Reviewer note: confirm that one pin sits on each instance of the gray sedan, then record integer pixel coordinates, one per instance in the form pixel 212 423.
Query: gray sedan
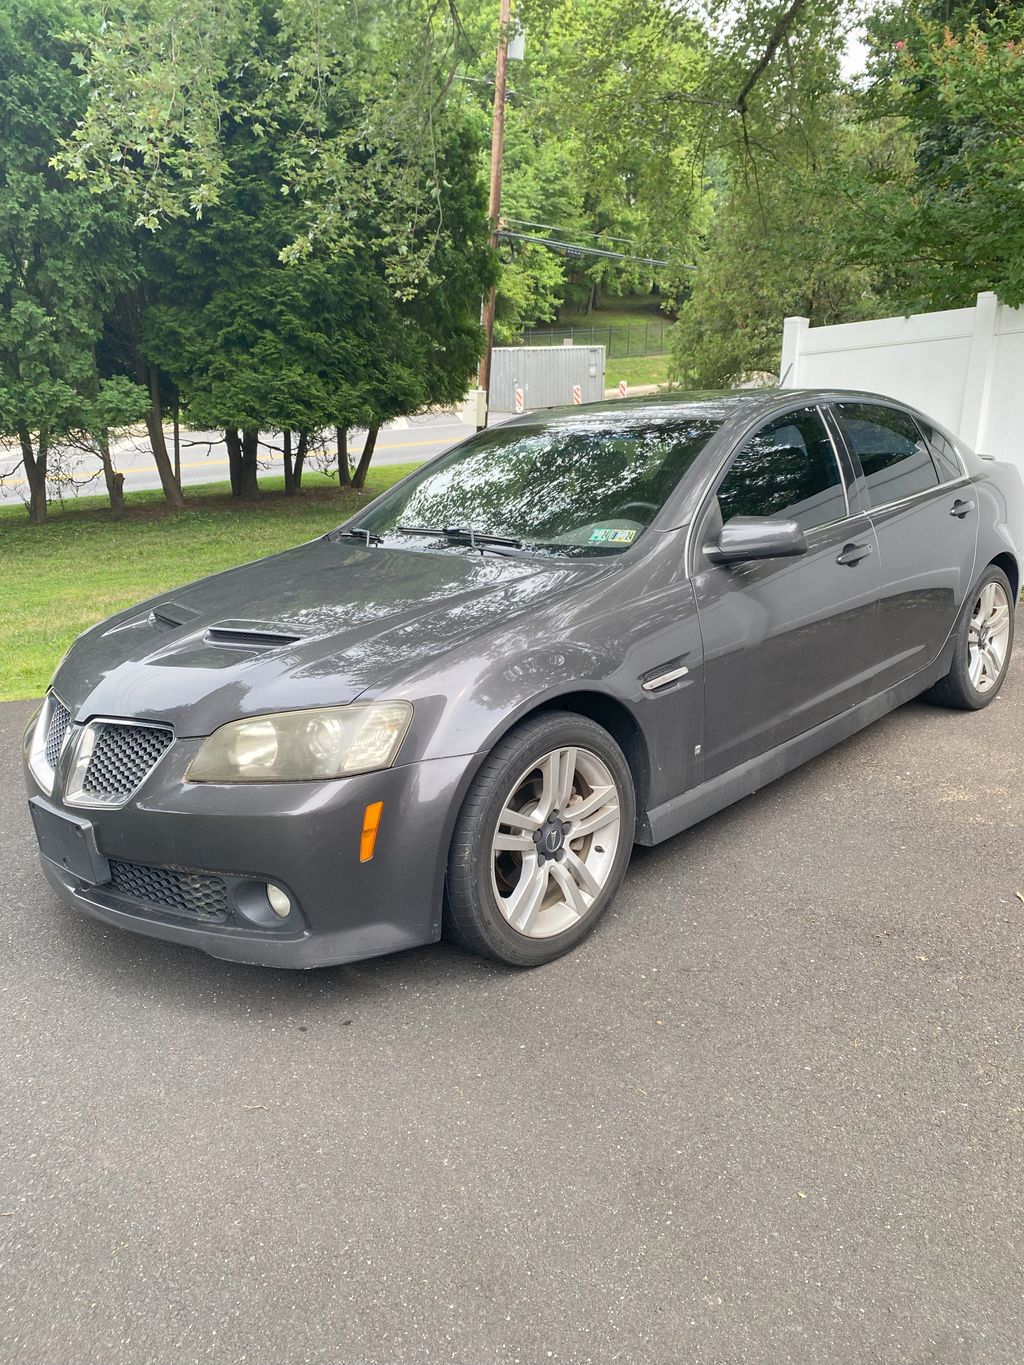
pixel 572 633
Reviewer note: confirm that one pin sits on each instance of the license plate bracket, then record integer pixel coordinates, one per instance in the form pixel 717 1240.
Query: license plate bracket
pixel 68 841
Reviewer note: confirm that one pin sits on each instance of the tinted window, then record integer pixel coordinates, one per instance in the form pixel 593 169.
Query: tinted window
pixel 579 486
pixel 891 450
pixel 944 453
pixel 787 470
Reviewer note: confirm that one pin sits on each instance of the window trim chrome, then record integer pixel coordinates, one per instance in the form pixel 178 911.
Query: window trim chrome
pixel 85 743
pixel 922 493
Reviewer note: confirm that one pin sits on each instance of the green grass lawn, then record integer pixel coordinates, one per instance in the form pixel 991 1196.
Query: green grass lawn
pixel 57 579
pixel 649 369
pixel 616 312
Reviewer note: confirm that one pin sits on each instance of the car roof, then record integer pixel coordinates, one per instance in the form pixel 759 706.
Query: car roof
pixel 670 406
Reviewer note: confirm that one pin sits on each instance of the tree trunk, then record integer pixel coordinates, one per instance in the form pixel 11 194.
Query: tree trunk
pixel 113 480
pixel 359 478
pixel 289 477
pixel 177 438
pixel 248 487
pixel 344 470
pixel 234 445
pixel 300 460
pixel 34 463
pixel 155 426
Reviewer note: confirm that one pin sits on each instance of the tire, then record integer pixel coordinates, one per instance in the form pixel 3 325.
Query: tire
pixel 977 672
pixel 515 890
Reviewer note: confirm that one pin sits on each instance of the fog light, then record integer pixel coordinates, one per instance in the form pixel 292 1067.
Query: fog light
pixel 279 902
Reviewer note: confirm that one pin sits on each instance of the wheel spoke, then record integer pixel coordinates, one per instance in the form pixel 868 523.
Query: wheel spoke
pixel 557 771
pixel 999 621
pixel 571 892
pixel 598 797
pixel 988 599
pixel 549 785
pixel 520 819
pixel 513 843
pixel 522 906
pixel 591 823
pixel 992 663
pixel 582 873
pixel 566 775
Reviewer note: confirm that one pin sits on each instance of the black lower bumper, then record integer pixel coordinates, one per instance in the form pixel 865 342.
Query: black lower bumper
pixel 304 838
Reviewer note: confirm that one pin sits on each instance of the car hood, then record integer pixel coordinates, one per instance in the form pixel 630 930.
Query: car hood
pixel 317 625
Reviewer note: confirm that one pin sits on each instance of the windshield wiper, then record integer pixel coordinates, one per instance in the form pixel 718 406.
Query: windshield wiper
pixel 478 540
pixel 360 533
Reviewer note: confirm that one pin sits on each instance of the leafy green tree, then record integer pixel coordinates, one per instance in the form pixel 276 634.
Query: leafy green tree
pixel 603 142
pixel 949 221
pixel 318 227
pixel 257 336
pixel 783 145
pixel 774 250
pixel 63 253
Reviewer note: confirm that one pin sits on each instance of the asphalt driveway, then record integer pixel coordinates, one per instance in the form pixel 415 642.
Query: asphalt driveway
pixel 771 1111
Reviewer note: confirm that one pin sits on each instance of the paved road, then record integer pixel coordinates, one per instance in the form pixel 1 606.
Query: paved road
pixel 771 1112
pixel 204 457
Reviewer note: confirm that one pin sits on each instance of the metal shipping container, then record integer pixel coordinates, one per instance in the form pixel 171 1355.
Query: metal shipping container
pixel 546 374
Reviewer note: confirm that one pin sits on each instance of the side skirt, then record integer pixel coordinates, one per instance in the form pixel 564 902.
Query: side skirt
pixel 672 817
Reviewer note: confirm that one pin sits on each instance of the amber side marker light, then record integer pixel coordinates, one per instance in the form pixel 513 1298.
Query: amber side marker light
pixel 371 823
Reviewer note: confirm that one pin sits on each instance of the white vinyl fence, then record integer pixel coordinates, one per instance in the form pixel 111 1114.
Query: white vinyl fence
pixel 964 367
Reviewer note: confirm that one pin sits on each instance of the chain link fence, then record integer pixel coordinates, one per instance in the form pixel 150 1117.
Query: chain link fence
pixel 621 341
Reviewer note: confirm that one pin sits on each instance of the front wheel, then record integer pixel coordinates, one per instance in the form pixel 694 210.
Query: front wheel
pixel 542 841
pixel 984 642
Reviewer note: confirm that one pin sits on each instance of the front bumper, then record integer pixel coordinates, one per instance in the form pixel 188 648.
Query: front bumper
pixel 302 836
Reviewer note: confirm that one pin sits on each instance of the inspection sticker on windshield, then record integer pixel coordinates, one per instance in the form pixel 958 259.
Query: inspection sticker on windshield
pixel 611 535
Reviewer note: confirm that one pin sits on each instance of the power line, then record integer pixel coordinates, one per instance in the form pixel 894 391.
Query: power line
pixel 551 227
pixel 576 249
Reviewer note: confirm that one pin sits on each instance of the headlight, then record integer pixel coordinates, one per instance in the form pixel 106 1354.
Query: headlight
pixel 304 746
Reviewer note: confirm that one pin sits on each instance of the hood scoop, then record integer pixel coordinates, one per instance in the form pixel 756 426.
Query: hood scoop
pixel 172 614
pixel 250 635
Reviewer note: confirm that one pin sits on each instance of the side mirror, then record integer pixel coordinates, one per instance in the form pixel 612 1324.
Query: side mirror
pixel 745 538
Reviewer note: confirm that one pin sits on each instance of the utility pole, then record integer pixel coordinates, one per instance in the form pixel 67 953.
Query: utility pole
pixel 494 200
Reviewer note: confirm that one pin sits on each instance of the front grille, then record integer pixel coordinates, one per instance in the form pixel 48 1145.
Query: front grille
pixel 123 756
pixel 60 719
pixel 200 895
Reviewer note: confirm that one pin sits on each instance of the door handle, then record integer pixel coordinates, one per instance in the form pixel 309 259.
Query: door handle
pixel 853 554
pixel 961 507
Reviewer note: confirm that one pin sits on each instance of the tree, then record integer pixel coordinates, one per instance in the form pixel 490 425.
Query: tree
pixel 774 250
pixel 783 141
pixel 602 146
pixel 950 222
pixel 63 252
pixel 308 184
pixel 258 335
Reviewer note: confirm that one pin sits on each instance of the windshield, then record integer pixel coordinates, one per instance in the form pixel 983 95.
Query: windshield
pixel 576 488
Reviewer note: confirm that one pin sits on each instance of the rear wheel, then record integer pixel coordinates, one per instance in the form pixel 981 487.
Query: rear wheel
pixel 983 646
pixel 542 841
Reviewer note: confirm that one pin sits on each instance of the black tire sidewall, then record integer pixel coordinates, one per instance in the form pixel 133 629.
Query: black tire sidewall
pixel 469 909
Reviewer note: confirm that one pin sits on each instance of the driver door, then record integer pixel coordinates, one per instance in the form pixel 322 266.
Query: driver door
pixel 788 643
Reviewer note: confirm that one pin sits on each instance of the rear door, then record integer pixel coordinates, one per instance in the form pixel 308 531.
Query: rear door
pixel 923 511
pixel 787 642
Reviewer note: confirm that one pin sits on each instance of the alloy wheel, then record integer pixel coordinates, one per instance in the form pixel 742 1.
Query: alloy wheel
pixel 988 637
pixel 554 846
